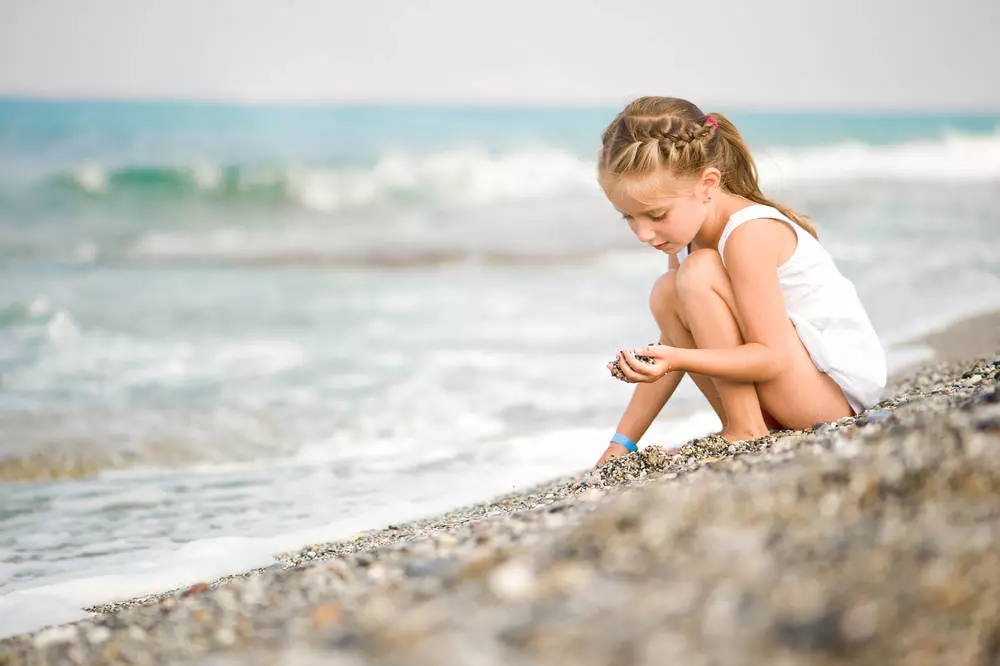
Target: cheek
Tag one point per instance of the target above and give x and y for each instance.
(685, 224)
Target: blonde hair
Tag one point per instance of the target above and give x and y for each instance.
(654, 133)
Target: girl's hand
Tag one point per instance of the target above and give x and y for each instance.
(654, 361)
(614, 450)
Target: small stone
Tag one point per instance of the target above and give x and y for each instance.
(326, 615)
(225, 636)
(513, 581)
(860, 622)
(340, 568)
(197, 588)
(880, 415)
(225, 599)
(568, 576)
(437, 567)
(55, 635)
(445, 540)
(98, 635)
(378, 574)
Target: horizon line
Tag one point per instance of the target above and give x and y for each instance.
(537, 103)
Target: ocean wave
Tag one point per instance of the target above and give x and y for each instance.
(38, 319)
(951, 158)
(472, 175)
(466, 176)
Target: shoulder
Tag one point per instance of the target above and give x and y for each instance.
(760, 239)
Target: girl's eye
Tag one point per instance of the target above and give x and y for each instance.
(658, 219)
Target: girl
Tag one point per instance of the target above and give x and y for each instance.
(752, 306)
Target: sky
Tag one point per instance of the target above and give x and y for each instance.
(754, 53)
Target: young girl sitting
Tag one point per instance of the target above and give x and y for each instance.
(752, 306)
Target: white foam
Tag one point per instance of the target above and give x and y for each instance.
(952, 158)
(62, 329)
(91, 177)
(206, 176)
(472, 176)
(466, 175)
(39, 306)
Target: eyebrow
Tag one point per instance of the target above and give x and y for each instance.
(650, 210)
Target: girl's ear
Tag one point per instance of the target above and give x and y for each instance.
(711, 178)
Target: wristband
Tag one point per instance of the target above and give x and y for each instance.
(624, 441)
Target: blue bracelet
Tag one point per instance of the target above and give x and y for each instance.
(624, 441)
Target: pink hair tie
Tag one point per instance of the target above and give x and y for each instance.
(715, 123)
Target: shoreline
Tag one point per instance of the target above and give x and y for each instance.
(958, 341)
(495, 548)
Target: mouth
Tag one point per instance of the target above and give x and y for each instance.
(662, 246)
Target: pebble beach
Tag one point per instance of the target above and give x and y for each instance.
(873, 539)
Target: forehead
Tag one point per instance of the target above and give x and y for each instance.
(649, 192)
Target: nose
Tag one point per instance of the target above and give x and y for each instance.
(645, 234)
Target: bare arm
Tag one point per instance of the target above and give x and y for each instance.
(646, 403)
(752, 259)
(647, 399)
(750, 362)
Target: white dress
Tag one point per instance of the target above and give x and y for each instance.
(825, 309)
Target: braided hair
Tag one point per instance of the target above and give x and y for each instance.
(654, 133)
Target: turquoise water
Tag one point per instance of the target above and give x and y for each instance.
(277, 325)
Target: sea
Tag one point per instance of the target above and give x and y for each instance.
(249, 328)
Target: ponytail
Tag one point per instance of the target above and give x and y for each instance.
(739, 172)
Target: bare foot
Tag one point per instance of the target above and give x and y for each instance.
(737, 436)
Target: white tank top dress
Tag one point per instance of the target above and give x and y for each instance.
(825, 309)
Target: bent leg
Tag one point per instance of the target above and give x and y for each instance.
(664, 304)
(800, 396)
(702, 283)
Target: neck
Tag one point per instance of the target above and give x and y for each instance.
(721, 209)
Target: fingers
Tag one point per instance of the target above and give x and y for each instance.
(637, 366)
(638, 369)
(615, 368)
(650, 351)
(613, 451)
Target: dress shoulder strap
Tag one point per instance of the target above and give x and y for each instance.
(754, 212)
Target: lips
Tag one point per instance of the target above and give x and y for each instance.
(662, 246)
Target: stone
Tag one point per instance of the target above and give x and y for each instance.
(513, 580)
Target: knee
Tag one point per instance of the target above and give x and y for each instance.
(663, 297)
(699, 274)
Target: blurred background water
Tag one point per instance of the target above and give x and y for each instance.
(262, 326)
